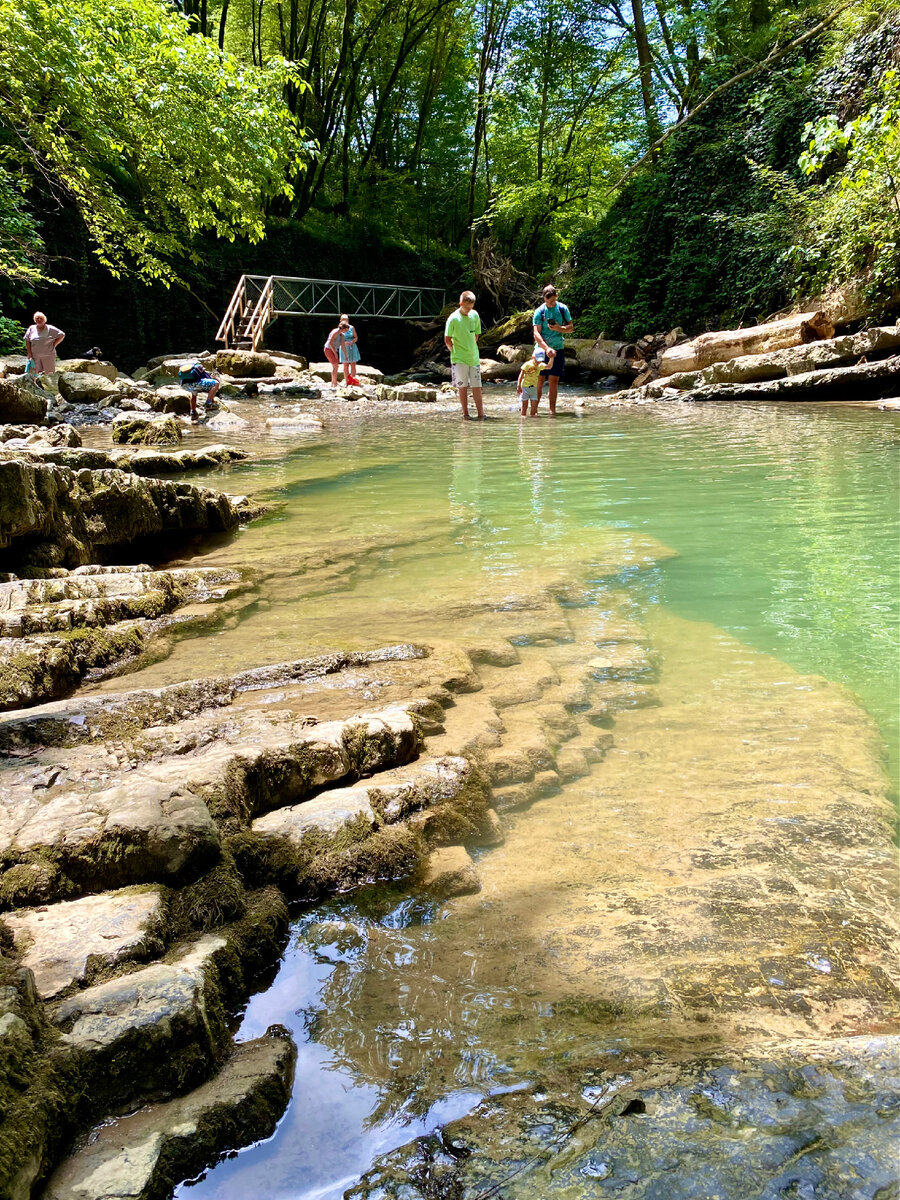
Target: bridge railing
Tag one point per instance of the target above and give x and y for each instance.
(259, 299)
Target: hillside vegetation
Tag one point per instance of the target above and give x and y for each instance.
(677, 162)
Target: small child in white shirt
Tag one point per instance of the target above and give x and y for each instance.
(526, 386)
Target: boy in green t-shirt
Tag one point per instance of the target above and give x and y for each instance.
(461, 339)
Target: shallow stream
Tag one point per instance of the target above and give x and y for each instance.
(758, 546)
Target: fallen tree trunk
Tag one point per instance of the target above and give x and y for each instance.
(866, 381)
(797, 360)
(609, 357)
(727, 344)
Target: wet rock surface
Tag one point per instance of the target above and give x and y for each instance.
(57, 517)
(802, 1119)
(56, 630)
(145, 1155)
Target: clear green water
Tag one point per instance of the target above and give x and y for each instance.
(784, 523)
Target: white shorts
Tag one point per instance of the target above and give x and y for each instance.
(466, 376)
(529, 393)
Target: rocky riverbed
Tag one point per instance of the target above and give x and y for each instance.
(152, 838)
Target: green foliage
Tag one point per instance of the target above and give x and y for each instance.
(150, 132)
(705, 240)
(854, 223)
(12, 336)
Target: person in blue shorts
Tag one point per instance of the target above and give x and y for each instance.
(552, 321)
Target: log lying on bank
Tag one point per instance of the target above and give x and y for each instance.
(726, 344)
(866, 381)
(798, 360)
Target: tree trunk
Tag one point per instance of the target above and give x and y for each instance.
(222, 20)
(645, 65)
(727, 344)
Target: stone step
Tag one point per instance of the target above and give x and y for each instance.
(62, 829)
(387, 798)
(64, 944)
(146, 1153)
(165, 1020)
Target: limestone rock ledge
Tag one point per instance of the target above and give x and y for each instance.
(144, 1156)
(56, 629)
(52, 516)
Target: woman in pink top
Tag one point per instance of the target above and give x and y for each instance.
(41, 341)
(331, 353)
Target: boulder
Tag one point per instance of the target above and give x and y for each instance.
(410, 392)
(82, 387)
(36, 436)
(63, 944)
(12, 364)
(89, 366)
(130, 429)
(145, 1153)
(21, 403)
(290, 362)
(515, 354)
(168, 366)
(245, 364)
(169, 398)
(134, 404)
(227, 422)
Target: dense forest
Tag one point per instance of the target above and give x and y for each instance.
(671, 162)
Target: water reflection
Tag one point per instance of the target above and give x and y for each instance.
(785, 528)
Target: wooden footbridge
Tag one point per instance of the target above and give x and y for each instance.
(259, 299)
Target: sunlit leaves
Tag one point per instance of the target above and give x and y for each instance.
(150, 132)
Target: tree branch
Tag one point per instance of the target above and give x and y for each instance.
(773, 56)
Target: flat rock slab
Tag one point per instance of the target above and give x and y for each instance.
(87, 830)
(386, 799)
(145, 1155)
(326, 815)
(63, 942)
(147, 1018)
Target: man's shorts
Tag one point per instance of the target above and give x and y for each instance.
(202, 385)
(465, 376)
(558, 365)
(529, 393)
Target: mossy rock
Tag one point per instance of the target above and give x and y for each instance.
(137, 429)
(245, 364)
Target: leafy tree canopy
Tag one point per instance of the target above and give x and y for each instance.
(151, 133)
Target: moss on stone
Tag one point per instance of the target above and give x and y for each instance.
(51, 667)
(215, 899)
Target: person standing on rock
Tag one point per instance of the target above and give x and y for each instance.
(349, 350)
(461, 335)
(552, 321)
(41, 341)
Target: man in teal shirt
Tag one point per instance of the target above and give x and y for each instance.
(461, 335)
(552, 321)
